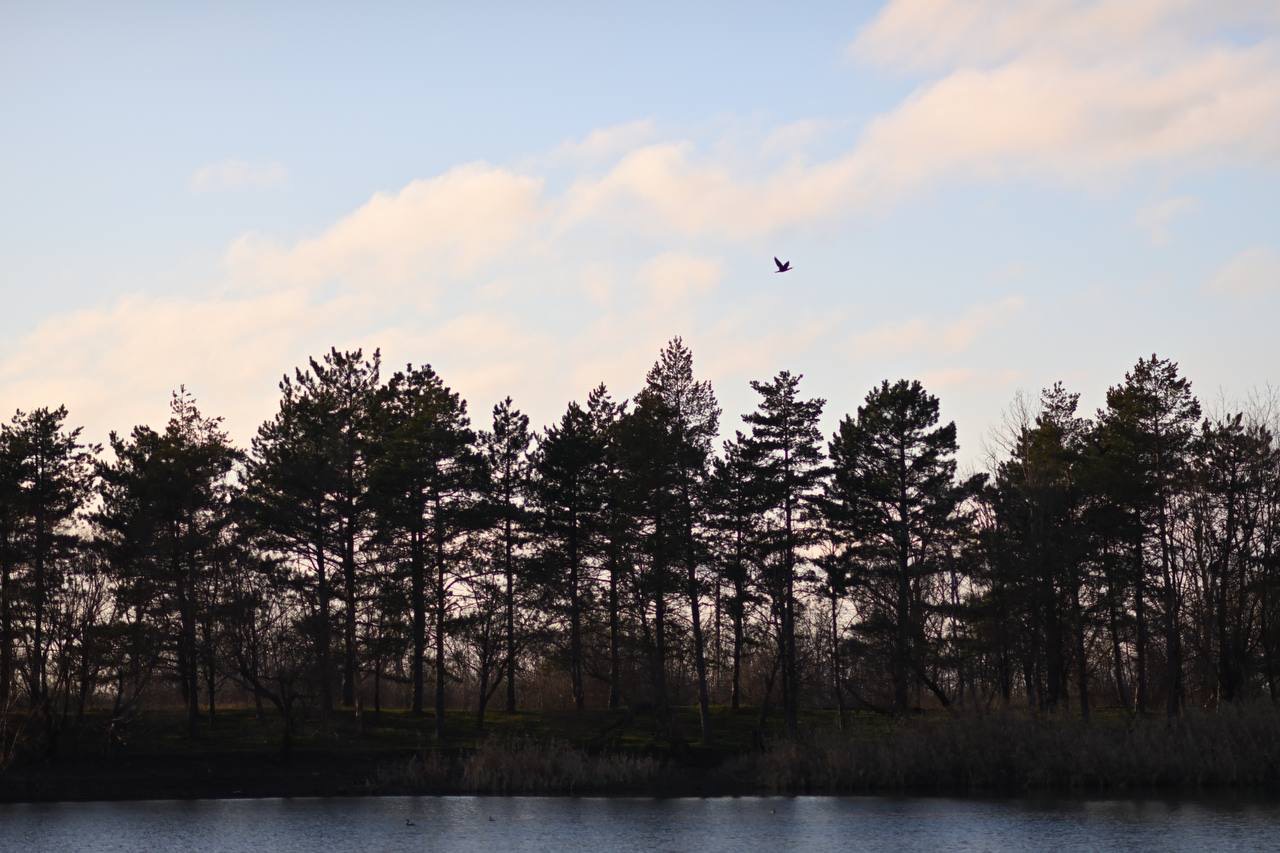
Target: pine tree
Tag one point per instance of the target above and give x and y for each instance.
(305, 484)
(1152, 417)
(1046, 545)
(566, 462)
(785, 446)
(615, 539)
(691, 421)
(50, 474)
(896, 501)
(426, 477)
(735, 520)
(506, 450)
(164, 508)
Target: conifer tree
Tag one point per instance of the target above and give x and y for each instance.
(309, 481)
(785, 446)
(427, 474)
(50, 472)
(736, 522)
(690, 422)
(895, 498)
(165, 506)
(615, 538)
(1153, 416)
(566, 461)
(506, 451)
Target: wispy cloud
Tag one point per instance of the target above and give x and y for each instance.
(934, 335)
(674, 277)
(606, 143)
(1253, 272)
(430, 231)
(515, 273)
(237, 175)
(1156, 219)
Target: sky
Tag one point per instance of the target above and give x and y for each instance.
(985, 195)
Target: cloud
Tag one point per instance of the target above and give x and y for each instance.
(575, 266)
(1053, 90)
(114, 365)
(952, 378)
(1156, 218)
(925, 35)
(431, 230)
(919, 334)
(237, 175)
(1253, 272)
(673, 278)
(606, 142)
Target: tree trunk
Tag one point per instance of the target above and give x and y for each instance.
(836, 667)
(615, 631)
(349, 675)
(324, 643)
(1117, 653)
(695, 620)
(1140, 613)
(441, 603)
(6, 635)
(418, 603)
(790, 679)
(1082, 663)
(575, 618)
(736, 616)
(509, 573)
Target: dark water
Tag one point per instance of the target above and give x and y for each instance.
(533, 825)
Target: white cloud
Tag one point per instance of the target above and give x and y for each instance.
(938, 336)
(1156, 219)
(237, 175)
(1054, 90)
(427, 233)
(115, 365)
(1067, 88)
(511, 275)
(606, 142)
(952, 378)
(1253, 272)
(922, 35)
(672, 278)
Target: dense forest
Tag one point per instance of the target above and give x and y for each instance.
(376, 548)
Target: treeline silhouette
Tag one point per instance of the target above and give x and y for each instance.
(373, 548)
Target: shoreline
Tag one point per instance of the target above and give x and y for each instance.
(1233, 750)
(329, 777)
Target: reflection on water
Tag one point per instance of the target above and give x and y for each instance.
(532, 825)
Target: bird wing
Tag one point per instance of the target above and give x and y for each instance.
(778, 262)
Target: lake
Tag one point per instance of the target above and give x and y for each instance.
(536, 824)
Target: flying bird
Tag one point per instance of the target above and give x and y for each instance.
(781, 266)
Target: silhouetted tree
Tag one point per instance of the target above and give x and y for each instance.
(163, 511)
(786, 449)
(566, 461)
(1152, 417)
(506, 451)
(49, 472)
(896, 504)
(690, 419)
(426, 474)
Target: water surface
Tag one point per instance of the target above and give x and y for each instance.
(535, 825)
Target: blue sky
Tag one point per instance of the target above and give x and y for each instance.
(985, 195)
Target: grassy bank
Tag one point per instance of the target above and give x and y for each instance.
(622, 753)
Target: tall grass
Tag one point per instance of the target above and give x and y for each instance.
(1235, 746)
(1004, 753)
(521, 766)
(548, 767)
